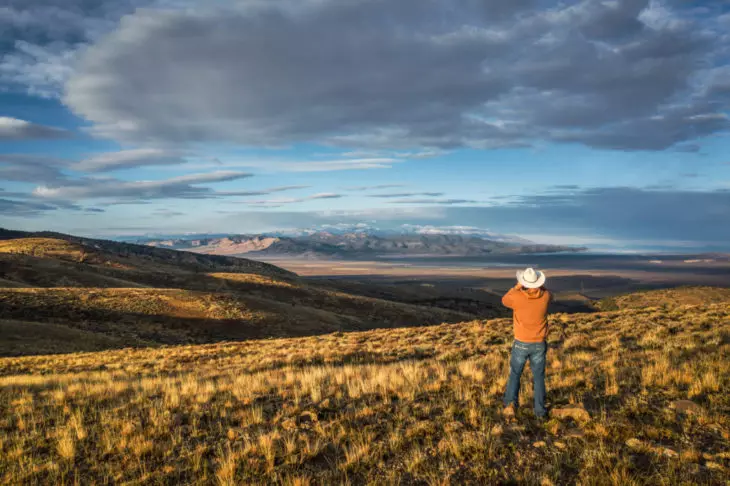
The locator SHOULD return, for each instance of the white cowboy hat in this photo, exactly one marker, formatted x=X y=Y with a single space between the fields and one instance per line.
x=531 y=278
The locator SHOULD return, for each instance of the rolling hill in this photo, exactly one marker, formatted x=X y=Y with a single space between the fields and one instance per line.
x=183 y=368
x=106 y=294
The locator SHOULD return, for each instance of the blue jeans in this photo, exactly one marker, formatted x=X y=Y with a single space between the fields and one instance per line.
x=521 y=352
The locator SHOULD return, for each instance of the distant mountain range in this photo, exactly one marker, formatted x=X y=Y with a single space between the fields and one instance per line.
x=355 y=245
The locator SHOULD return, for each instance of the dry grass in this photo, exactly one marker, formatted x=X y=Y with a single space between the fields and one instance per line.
x=398 y=406
x=102 y=318
x=669 y=298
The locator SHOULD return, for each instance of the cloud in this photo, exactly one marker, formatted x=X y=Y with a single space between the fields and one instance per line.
x=380 y=186
x=423 y=154
x=128 y=159
x=279 y=202
x=14 y=129
x=10 y=208
x=167 y=213
x=262 y=192
x=618 y=214
x=398 y=74
x=434 y=201
x=40 y=39
x=406 y=194
x=185 y=187
x=320 y=165
x=31 y=168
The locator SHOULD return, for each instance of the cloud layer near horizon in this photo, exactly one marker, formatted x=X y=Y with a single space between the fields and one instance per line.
x=664 y=217
x=628 y=75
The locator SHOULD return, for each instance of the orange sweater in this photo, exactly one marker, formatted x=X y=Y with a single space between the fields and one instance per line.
x=530 y=308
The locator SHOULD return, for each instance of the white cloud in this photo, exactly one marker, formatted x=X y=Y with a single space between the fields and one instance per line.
x=127 y=159
x=318 y=165
x=13 y=129
x=443 y=202
x=368 y=188
x=261 y=192
x=406 y=194
x=269 y=203
x=185 y=186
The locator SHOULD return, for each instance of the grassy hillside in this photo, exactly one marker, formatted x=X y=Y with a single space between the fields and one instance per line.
x=104 y=254
x=667 y=298
x=110 y=295
x=638 y=396
x=148 y=317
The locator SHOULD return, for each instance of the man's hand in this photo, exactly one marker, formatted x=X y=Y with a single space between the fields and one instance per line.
x=518 y=286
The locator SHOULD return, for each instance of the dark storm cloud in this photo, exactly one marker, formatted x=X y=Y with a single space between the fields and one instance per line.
x=624 y=75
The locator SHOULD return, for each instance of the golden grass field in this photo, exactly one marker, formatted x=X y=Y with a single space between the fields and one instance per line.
x=393 y=406
x=638 y=394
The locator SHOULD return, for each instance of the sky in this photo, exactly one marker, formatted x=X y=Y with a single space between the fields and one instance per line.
x=598 y=123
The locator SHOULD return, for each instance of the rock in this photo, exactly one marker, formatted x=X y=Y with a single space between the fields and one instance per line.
x=560 y=445
x=713 y=465
x=539 y=444
x=547 y=482
x=497 y=430
x=578 y=414
x=686 y=406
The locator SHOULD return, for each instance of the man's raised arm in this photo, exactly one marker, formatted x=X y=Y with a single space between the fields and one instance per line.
x=509 y=298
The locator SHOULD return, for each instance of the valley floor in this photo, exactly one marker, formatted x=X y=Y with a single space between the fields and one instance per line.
x=638 y=396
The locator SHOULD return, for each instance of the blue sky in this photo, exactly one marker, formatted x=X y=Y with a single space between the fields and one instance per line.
x=599 y=123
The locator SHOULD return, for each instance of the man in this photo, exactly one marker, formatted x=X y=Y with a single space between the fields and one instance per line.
x=529 y=302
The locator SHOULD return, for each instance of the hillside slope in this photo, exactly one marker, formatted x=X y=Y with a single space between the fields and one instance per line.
x=70 y=248
x=637 y=396
x=674 y=297
x=131 y=295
